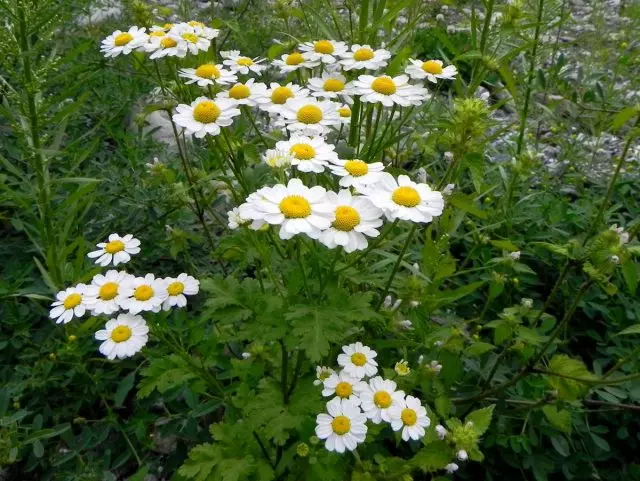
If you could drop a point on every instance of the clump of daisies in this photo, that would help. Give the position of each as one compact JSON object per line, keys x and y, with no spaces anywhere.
{"x":359,"y":394}
{"x":127,"y":333}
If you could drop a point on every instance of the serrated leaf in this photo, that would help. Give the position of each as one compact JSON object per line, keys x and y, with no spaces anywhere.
{"x":432,"y":457}
{"x":559,"y":418}
{"x":466,"y":203}
{"x":569,"y":388}
{"x":478,"y":349}
{"x":481,"y":419}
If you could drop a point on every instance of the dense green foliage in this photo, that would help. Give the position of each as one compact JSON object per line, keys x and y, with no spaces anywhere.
{"x":520,"y":289}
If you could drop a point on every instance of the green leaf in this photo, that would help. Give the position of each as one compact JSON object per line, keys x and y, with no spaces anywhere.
{"x":557,"y":249}
{"x":635,"y":329}
{"x":623,"y":117}
{"x":600,"y":442}
{"x":38,"y":449}
{"x":201,"y":463}
{"x":481,"y":419}
{"x":432,"y":457}
{"x":477,"y":349}
{"x":561,"y":445}
{"x":466,"y":203}
{"x":569,"y":389}
{"x":46,"y":433}
{"x":630,"y":274}
{"x":559,"y":418}
{"x":505,"y":245}
{"x":164,"y":374}
{"x":123,"y":389}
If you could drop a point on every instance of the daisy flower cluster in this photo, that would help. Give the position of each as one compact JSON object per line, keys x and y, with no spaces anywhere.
{"x":358,"y":394}
{"x":114,"y":291}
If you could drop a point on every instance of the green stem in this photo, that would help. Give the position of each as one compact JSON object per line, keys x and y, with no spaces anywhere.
{"x":530,"y":77}
{"x":330,"y":272}
{"x":622,"y":362}
{"x":353,"y":125}
{"x":255,"y":126}
{"x":363,"y":20}
{"x":396,"y":266}
{"x":387,"y":230}
{"x":284,"y":373}
{"x":372,"y":138}
{"x":554,"y":290}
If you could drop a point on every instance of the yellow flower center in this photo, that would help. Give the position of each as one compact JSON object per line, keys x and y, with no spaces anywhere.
{"x":168,"y":42}
{"x":281,"y":94}
{"x":346,"y":219}
{"x":121,"y":334}
{"x":108,"y":291}
{"x":208,"y":71}
{"x":239,"y":91}
{"x":194,"y":23}
{"x":359,"y":359}
{"x":295,"y":207}
{"x":341,"y":425}
{"x":323,"y":46}
{"x":384,"y":86}
{"x":433,"y":67}
{"x":123,"y":39}
{"x":333,"y":85}
{"x":344,"y":389}
{"x":175,"y":288}
{"x":356,"y":168}
{"x":143,"y":292}
{"x":344,"y":112}
{"x":409,"y":417}
{"x":244,"y":61}
{"x":382,"y":399}
{"x":206,"y":112}
{"x":167,"y":26}
{"x":157,"y":33}
{"x":72,"y":300}
{"x":295,"y":58}
{"x":309,"y":114}
{"x":363,"y":54}
{"x":406,"y":196}
{"x":114,"y":246}
{"x":190,"y":37}
{"x":303,"y":151}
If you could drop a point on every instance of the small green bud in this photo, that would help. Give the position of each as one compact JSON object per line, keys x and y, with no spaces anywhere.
{"x":52,"y":356}
{"x":314,"y":440}
{"x":72,"y":338}
{"x":303,"y":450}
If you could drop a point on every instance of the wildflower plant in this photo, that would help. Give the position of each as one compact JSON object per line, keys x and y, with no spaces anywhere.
{"x":328,"y":328}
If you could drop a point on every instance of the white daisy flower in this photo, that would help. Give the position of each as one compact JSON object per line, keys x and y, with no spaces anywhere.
{"x":169,"y":44}
{"x":278,"y":158}
{"x":124,"y":42}
{"x":344,"y":112}
{"x":410,"y":417}
{"x":344,"y":386}
{"x":343,"y":428}
{"x":353,"y":218}
{"x":310,"y":154}
{"x":297,"y":208}
{"x":195,"y":42}
{"x":432,"y":70}
{"x":240,"y":64}
{"x":290,"y":62}
{"x":324,"y":51}
{"x":277,"y":95}
{"x":405,"y":199}
{"x":208,"y":74}
{"x":332,"y":85}
{"x":164,"y":28}
{"x":70,"y":303}
{"x":234,"y":219}
{"x":177,"y":290}
{"x":117,"y":250}
{"x":123,"y":337}
{"x":360,"y":57}
{"x":309,"y":116}
{"x":322,"y":374}
{"x":357,"y":173}
{"x":104,"y":291}
{"x":143,"y":294}
{"x":203,"y":31}
{"x":378,"y":398}
{"x":389,"y":90}
{"x":246,"y":93}
{"x":358,"y":360}
{"x":205,"y":116}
